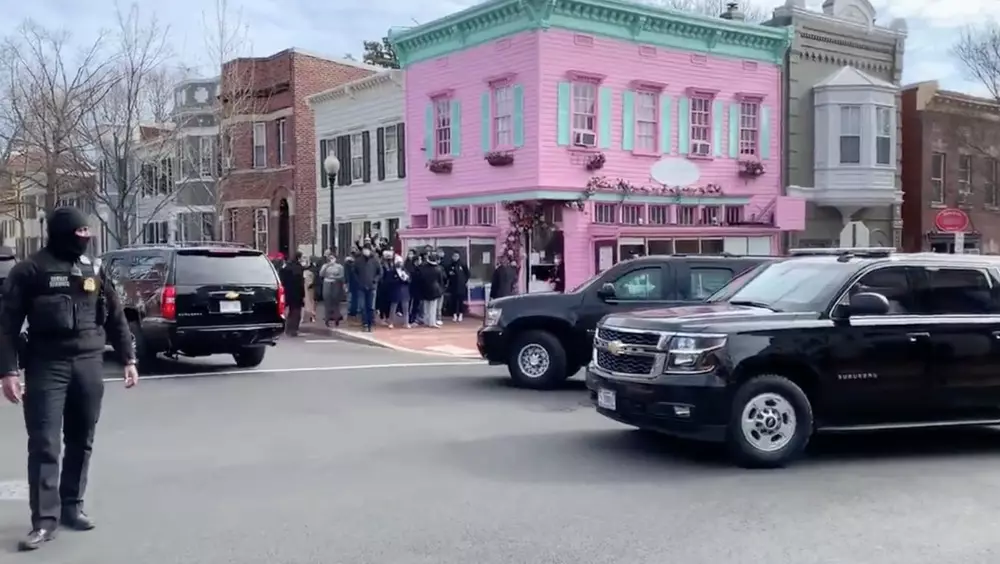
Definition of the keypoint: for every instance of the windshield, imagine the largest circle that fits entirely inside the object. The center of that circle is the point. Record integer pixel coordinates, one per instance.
(224, 269)
(587, 283)
(793, 285)
(734, 285)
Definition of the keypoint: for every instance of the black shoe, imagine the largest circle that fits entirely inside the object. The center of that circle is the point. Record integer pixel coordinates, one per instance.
(77, 520)
(36, 539)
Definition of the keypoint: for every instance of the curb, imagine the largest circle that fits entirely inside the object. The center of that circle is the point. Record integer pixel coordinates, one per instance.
(354, 338)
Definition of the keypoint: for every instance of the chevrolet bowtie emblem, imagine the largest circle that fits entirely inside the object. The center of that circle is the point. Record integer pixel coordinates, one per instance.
(232, 295)
(616, 347)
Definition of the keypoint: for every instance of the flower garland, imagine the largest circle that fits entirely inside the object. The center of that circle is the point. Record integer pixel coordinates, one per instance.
(624, 187)
(524, 216)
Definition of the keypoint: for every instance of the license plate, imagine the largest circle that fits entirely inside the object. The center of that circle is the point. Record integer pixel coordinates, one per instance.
(606, 399)
(230, 307)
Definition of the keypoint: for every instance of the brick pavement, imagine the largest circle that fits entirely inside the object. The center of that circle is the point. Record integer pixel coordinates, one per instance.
(452, 339)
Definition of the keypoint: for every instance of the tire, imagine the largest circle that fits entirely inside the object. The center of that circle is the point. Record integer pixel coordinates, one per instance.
(250, 357)
(546, 348)
(787, 409)
(143, 356)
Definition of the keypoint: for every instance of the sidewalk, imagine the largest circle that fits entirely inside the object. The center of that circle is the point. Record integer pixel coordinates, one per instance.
(451, 340)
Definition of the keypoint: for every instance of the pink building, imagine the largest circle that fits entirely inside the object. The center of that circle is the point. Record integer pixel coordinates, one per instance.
(591, 130)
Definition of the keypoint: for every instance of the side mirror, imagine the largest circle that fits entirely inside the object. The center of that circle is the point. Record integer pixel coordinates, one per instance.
(607, 291)
(868, 303)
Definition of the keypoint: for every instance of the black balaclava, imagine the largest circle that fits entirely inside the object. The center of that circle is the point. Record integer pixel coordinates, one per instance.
(63, 242)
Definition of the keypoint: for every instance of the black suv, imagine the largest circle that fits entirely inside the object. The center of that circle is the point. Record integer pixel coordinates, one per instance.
(199, 299)
(546, 338)
(860, 340)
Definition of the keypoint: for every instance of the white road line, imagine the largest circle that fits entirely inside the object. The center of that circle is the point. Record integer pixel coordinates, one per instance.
(314, 341)
(309, 369)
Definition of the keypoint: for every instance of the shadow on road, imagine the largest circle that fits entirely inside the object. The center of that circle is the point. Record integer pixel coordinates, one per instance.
(182, 366)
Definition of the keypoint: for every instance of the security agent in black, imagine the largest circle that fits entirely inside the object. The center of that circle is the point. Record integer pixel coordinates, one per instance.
(68, 307)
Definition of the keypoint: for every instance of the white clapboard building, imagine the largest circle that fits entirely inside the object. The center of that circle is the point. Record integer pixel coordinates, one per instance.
(361, 122)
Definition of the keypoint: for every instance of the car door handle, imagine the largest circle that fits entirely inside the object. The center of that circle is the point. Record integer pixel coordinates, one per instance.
(996, 334)
(914, 337)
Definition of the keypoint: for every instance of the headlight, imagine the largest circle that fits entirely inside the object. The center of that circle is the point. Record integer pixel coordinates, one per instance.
(491, 318)
(692, 352)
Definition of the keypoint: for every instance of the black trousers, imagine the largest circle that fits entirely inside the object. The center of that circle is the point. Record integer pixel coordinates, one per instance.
(61, 397)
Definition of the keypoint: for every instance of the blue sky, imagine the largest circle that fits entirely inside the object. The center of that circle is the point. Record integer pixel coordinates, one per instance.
(321, 26)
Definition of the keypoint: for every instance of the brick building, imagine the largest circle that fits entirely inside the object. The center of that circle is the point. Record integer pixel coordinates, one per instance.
(951, 164)
(268, 193)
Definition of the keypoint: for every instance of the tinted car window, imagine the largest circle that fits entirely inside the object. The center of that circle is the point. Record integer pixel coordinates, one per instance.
(642, 284)
(956, 291)
(707, 281)
(223, 267)
(892, 282)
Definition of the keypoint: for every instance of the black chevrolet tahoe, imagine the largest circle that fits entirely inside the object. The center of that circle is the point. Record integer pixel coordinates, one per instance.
(198, 299)
(545, 338)
(847, 342)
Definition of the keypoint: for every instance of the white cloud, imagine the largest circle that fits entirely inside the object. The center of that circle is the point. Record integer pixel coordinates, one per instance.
(337, 28)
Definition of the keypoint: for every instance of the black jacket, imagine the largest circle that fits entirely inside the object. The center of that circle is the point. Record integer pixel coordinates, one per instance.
(432, 281)
(33, 279)
(367, 272)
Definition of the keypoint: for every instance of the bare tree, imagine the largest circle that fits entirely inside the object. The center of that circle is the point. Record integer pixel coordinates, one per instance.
(752, 12)
(978, 51)
(50, 97)
(126, 133)
(208, 163)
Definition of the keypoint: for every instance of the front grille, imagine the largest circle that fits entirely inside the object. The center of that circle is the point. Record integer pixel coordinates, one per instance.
(628, 337)
(626, 363)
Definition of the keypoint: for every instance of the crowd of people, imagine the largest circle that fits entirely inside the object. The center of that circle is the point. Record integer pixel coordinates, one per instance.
(378, 286)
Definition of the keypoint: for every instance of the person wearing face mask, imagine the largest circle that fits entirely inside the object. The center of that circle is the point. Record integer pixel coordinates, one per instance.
(367, 272)
(71, 310)
(458, 287)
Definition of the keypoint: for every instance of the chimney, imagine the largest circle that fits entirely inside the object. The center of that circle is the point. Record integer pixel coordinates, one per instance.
(733, 12)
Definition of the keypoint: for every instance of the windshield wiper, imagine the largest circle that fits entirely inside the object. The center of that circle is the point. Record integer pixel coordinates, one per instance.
(761, 305)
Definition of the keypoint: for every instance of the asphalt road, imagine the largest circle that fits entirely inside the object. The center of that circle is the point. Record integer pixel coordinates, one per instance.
(443, 463)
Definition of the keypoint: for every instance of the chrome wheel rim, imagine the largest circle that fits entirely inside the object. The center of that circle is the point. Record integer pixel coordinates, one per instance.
(768, 422)
(533, 360)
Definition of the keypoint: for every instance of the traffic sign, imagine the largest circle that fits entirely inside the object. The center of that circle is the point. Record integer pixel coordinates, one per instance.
(951, 220)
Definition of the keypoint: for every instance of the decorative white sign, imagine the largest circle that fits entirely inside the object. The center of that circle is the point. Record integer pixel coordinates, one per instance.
(672, 171)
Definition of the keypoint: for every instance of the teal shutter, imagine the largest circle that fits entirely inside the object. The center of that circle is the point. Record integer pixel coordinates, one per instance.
(518, 91)
(429, 148)
(628, 120)
(456, 128)
(563, 112)
(683, 130)
(765, 132)
(717, 128)
(734, 131)
(486, 118)
(665, 124)
(604, 118)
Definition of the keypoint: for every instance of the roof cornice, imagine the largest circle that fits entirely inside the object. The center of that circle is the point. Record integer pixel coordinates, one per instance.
(388, 77)
(610, 18)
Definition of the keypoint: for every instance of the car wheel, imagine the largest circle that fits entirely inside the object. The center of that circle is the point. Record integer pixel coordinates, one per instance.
(250, 357)
(537, 361)
(770, 423)
(143, 357)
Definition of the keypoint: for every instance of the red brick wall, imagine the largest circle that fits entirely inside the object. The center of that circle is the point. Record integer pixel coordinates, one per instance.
(306, 75)
(914, 175)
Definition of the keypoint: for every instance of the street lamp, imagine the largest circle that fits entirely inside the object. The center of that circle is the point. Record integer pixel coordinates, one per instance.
(332, 166)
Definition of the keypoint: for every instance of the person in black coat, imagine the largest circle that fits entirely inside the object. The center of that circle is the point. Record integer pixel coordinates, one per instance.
(504, 280)
(295, 293)
(458, 287)
(412, 266)
(368, 272)
(432, 283)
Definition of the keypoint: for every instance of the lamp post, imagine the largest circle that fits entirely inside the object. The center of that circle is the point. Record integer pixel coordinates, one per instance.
(332, 166)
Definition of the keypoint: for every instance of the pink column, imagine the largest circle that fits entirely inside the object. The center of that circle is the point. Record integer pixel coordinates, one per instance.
(577, 252)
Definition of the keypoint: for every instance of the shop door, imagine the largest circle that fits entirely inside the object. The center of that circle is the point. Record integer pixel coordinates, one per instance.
(605, 254)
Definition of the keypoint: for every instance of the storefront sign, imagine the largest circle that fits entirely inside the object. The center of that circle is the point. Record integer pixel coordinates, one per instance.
(951, 220)
(672, 171)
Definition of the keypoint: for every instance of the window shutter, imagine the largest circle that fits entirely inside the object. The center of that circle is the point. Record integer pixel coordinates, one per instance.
(665, 130)
(563, 114)
(429, 148)
(717, 128)
(518, 115)
(604, 117)
(486, 122)
(344, 155)
(683, 131)
(401, 150)
(628, 120)
(456, 128)
(322, 159)
(765, 132)
(380, 152)
(734, 131)
(366, 156)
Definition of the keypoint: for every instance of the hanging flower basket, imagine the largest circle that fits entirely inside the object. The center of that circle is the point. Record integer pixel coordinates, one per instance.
(595, 162)
(751, 169)
(440, 167)
(500, 158)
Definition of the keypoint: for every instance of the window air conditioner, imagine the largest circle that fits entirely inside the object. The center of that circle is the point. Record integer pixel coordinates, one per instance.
(585, 139)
